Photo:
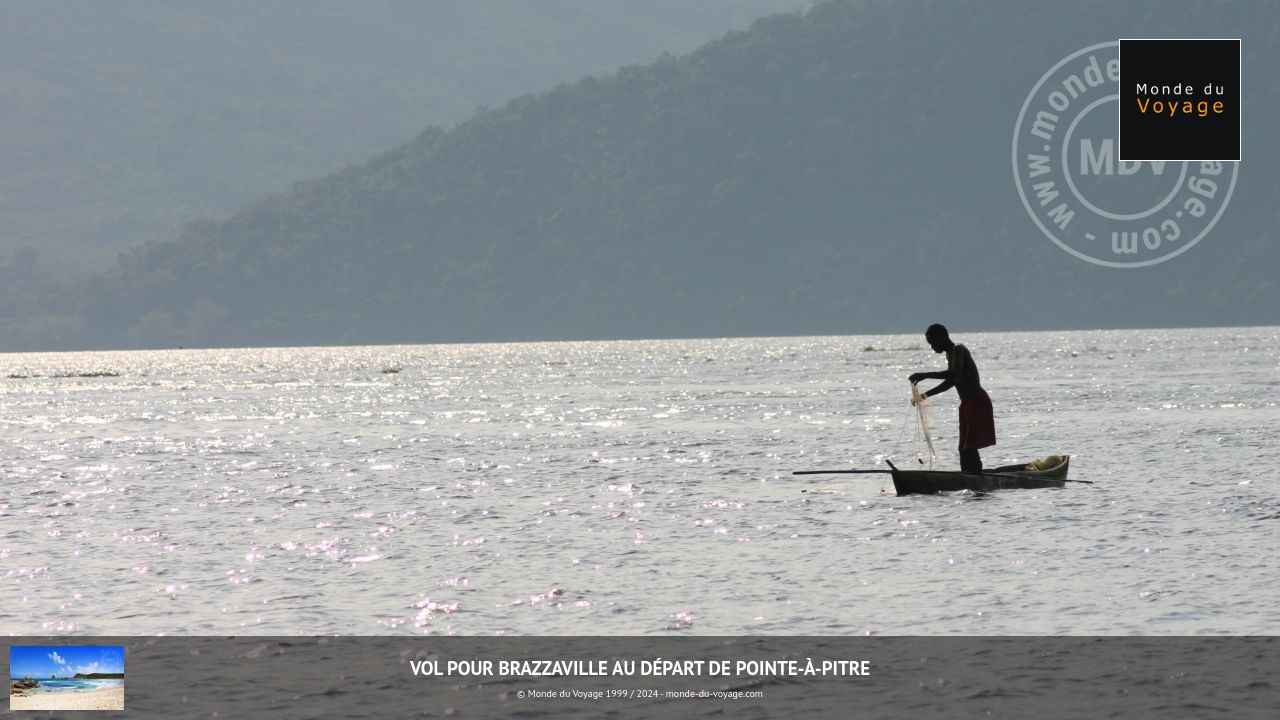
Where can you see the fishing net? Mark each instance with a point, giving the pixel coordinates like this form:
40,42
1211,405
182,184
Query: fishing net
924,420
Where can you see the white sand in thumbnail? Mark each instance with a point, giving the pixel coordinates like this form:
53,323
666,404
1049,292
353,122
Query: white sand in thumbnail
111,698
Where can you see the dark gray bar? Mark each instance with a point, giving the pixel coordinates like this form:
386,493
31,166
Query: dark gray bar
1045,678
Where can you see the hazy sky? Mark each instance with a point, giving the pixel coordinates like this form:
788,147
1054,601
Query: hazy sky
42,661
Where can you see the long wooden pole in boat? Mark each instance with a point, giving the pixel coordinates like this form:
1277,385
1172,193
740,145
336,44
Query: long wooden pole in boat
889,472
840,472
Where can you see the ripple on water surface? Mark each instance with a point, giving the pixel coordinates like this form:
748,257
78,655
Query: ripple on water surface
635,488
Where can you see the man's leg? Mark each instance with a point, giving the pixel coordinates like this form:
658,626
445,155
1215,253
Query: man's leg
970,461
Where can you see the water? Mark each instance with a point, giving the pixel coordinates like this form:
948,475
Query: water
71,685
636,488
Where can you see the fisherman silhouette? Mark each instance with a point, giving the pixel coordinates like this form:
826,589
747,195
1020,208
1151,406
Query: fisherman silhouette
977,420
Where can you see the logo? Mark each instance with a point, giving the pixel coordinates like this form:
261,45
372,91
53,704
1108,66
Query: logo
1099,208
1180,99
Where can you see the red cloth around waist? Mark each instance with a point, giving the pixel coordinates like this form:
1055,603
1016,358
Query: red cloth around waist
977,421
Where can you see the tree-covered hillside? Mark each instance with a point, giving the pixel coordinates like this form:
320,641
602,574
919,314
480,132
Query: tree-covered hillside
842,171
124,120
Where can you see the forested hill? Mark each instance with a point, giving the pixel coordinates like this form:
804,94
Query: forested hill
846,170
123,121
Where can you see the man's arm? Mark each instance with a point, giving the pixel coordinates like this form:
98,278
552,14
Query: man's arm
941,388
955,362
917,377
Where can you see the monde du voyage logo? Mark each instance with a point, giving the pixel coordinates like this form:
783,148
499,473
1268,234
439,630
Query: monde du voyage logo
1083,197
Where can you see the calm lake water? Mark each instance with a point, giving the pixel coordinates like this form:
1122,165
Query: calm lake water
637,488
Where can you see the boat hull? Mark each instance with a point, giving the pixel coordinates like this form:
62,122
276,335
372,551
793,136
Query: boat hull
1009,477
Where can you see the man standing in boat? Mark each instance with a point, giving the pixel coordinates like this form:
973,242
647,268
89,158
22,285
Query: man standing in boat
977,420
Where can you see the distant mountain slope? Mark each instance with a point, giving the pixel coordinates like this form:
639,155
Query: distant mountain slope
123,121
842,171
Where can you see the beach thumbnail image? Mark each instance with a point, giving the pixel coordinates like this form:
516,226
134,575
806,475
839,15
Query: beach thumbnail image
66,677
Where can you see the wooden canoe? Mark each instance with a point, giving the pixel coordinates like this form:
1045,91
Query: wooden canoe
1008,477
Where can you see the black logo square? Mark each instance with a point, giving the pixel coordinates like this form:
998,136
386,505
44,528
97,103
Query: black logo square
1179,100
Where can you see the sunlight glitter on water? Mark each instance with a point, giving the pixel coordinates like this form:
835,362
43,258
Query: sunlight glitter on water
297,491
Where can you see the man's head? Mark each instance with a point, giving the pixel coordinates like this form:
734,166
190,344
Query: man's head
938,338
